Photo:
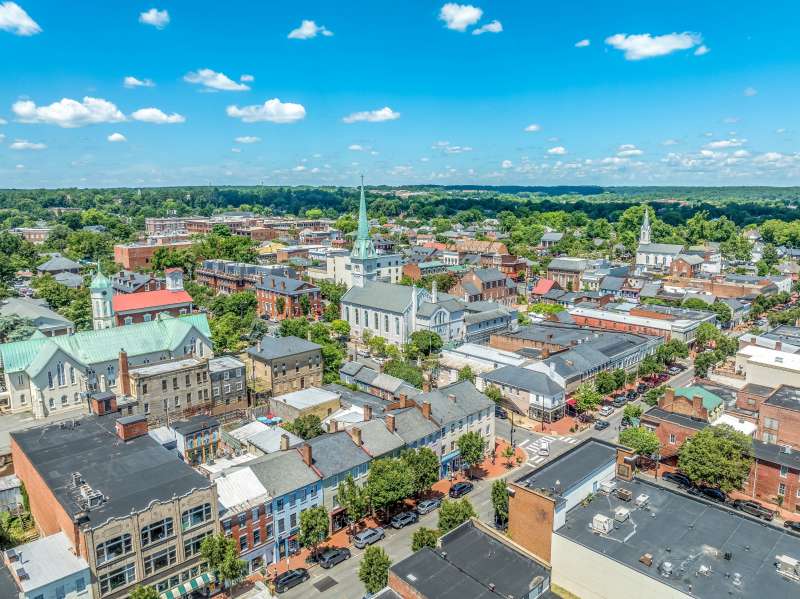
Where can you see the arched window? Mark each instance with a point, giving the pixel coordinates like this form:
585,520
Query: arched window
60,373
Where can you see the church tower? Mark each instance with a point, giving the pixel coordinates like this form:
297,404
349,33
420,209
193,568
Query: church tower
362,258
101,293
644,234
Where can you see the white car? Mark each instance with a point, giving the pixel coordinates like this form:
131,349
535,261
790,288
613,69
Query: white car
544,448
606,411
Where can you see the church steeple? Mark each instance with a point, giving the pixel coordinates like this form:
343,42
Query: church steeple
644,233
363,247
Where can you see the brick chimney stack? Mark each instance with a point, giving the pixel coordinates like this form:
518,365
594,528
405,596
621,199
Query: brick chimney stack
305,452
426,410
390,422
355,432
284,442
367,413
403,400
122,370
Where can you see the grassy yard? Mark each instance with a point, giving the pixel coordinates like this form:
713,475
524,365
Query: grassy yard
563,593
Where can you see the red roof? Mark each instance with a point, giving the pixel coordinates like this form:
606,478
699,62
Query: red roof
543,286
126,302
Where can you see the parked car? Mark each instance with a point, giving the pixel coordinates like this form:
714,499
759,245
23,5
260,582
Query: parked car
601,425
428,505
620,401
460,489
631,395
713,494
641,388
679,479
585,417
290,579
334,555
368,536
606,411
792,525
544,448
404,519
500,413
756,509
673,370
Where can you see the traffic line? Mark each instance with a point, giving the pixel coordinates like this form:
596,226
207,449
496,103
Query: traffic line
525,442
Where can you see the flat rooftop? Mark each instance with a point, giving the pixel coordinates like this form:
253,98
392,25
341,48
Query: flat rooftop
131,475
46,561
690,534
306,398
164,367
785,397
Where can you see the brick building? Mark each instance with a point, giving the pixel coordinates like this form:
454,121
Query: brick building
139,255
281,365
486,284
226,276
567,272
685,265
779,417
281,297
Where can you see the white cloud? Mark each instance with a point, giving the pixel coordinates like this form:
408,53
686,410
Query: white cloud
459,16
644,45
493,27
69,113
131,82
247,139
157,18
273,111
20,166
780,131
533,128
3,122
669,142
157,116
557,151
24,144
702,50
213,80
448,148
299,168
750,92
583,44
356,148
307,30
726,143
14,19
236,150
626,150
117,138
247,78
372,116
507,164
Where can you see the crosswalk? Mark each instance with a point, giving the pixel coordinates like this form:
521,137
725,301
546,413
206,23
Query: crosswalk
533,446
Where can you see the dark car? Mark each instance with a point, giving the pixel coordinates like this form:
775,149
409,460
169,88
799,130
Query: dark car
641,387
601,425
792,525
334,555
403,519
368,536
290,579
713,494
754,509
619,401
677,478
631,395
428,505
460,489
500,413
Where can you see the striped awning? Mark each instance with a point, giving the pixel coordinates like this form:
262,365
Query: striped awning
205,579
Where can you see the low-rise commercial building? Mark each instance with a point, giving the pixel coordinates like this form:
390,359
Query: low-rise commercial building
540,395
278,365
305,402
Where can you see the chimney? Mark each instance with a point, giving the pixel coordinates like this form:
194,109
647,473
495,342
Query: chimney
451,397
305,452
667,398
390,422
426,386
434,293
131,427
778,346
332,426
122,371
284,442
426,409
355,432
697,405
367,413
403,400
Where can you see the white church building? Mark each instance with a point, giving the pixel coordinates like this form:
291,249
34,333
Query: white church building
653,257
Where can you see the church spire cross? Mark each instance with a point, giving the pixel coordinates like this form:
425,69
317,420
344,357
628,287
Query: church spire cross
363,223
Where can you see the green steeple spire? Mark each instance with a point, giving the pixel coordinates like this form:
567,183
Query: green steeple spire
100,281
363,247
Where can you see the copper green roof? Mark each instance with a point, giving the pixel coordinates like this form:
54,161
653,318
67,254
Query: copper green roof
165,333
710,401
100,281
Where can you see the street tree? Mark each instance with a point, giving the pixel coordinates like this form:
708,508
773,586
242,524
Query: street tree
644,442
313,527
454,513
144,592
427,342
466,374
471,446
222,555
632,411
353,499
423,466
374,569
500,501
587,397
389,481
493,393
718,456
280,305
424,537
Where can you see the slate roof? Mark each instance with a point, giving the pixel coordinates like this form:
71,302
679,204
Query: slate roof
411,425
785,397
486,275
68,279
468,400
128,281
612,283
282,472
37,311
377,440
660,248
335,453
525,379
165,333
285,285
691,259
596,352
270,348
380,296
58,263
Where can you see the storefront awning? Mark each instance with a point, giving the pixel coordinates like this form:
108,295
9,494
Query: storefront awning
571,401
202,581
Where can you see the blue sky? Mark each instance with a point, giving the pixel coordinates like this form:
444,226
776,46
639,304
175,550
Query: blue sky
613,93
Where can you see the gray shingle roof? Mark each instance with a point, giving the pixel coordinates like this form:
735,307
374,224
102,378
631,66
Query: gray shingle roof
285,285
489,274
524,378
612,283
411,425
335,453
282,472
58,263
377,439
37,311
468,400
270,348
660,248
380,296
567,264
69,279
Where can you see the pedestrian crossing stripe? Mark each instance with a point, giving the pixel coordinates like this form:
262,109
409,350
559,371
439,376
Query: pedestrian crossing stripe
525,442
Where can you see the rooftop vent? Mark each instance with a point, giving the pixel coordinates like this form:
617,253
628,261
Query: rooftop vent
621,514
608,487
736,579
602,524
704,571
642,500
12,555
666,569
647,559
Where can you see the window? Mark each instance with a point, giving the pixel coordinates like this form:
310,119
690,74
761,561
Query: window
177,402
80,585
226,388
239,386
174,382
270,530
254,514
117,578
189,398
152,533
292,520
144,388
147,317
375,320
163,384
782,489
146,408
242,520
192,546
771,423
159,560
243,543
129,320
49,379
52,403
396,325
226,375
784,471
672,438
215,391
195,516
64,400
188,379
60,592
281,526
113,548
72,379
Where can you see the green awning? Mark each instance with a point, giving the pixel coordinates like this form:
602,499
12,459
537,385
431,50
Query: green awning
205,579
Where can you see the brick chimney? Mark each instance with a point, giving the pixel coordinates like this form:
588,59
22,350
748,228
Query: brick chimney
426,409
305,453
332,426
403,400
390,422
778,346
697,406
131,427
355,432
367,413
284,442
124,377
451,397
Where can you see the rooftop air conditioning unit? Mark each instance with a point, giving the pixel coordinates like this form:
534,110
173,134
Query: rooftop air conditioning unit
602,524
608,487
642,500
621,514
788,566
624,494
666,569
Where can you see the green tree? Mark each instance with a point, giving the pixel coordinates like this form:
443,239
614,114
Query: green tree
144,592
306,427
640,440
620,378
466,374
652,396
353,499
471,446
305,305
718,456
632,411
424,537
280,305
222,555
423,466
454,513
706,333
374,569
404,370
704,361
426,342
545,309
500,500
313,527
494,394
341,328
605,382
587,397
15,328
389,481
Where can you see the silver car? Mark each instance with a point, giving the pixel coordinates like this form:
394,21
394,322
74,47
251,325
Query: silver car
368,536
